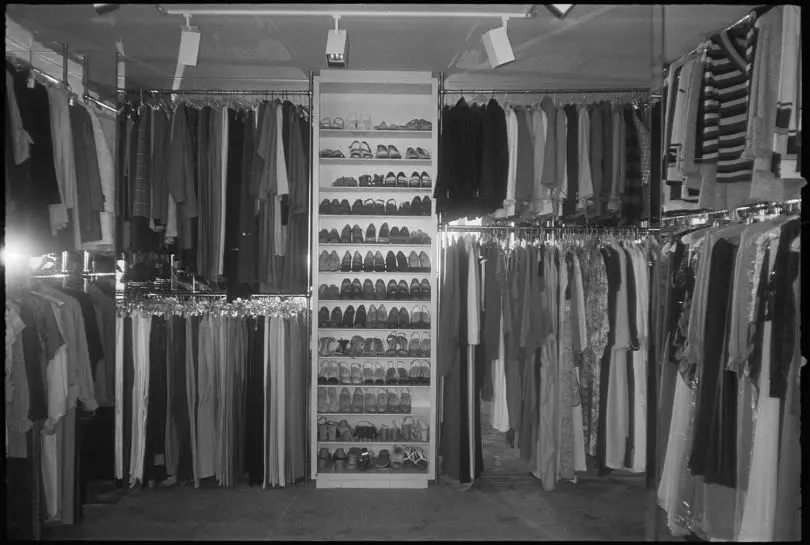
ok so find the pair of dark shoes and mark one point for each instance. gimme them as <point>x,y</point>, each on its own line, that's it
<point>377,291</point>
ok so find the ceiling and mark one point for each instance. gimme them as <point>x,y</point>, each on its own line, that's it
<point>594,46</point>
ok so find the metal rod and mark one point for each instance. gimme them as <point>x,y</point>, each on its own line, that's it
<point>220,91</point>
<point>322,13</point>
<point>65,65</point>
<point>727,211</point>
<point>560,91</point>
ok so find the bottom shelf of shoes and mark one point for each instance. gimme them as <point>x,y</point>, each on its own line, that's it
<point>405,477</point>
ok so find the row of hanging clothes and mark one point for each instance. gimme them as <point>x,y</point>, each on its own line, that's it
<point>553,325</point>
<point>59,368</point>
<point>733,116</point>
<point>729,404</point>
<point>222,178</point>
<point>211,391</point>
<point>567,158</point>
<point>60,188</point>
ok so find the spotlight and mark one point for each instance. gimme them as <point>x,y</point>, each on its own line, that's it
<point>496,42</point>
<point>560,10</point>
<point>189,44</point>
<point>337,46</point>
<point>103,9</point>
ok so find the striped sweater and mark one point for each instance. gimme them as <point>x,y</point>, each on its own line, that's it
<point>725,90</point>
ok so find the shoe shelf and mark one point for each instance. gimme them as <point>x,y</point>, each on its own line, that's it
<point>378,190</point>
<point>393,98</point>
<point>390,162</point>
<point>375,133</point>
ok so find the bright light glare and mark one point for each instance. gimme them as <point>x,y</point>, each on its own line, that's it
<point>13,256</point>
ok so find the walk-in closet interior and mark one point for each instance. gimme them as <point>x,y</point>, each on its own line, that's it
<point>499,271</point>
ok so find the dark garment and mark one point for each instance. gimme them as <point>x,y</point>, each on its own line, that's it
<point>295,277</point>
<point>630,281</point>
<point>632,199</point>
<point>161,129</point>
<point>254,399</point>
<point>121,181</point>
<point>247,256</point>
<point>524,173</point>
<point>782,304</point>
<point>572,160</point>
<point>180,400</point>
<point>549,177</point>
<point>597,153</point>
<point>156,412</point>
<point>655,162</point>
<point>491,316</point>
<point>180,174</point>
<point>613,272</point>
<point>95,348</point>
<point>33,350</point>
<point>714,439</point>
<point>142,238</point>
<point>607,154</point>
<point>494,156</point>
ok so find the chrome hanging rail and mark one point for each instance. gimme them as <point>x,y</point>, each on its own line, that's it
<point>295,92</point>
<point>735,212</point>
<point>560,91</point>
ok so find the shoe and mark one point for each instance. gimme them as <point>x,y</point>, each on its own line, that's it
<point>393,319</point>
<point>391,207</point>
<point>426,207</point>
<point>402,262</point>
<point>368,290</point>
<point>382,152</point>
<point>357,235</point>
<point>390,373</point>
<point>425,318</point>
<point>395,237</point>
<point>402,180</point>
<point>334,207</point>
<point>345,209</point>
<point>370,398</point>
<point>325,207</point>
<point>371,318</point>
<point>414,181</point>
<point>416,290</point>
<point>336,320</point>
<point>413,373</point>
<point>390,261</point>
<point>323,236</point>
<point>368,262</point>
<point>357,373</point>
<point>416,206</point>
<point>424,262</point>
<point>393,401</point>
<point>404,319</point>
<point>346,289</point>
<point>368,375</point>
<point>348,317</point>
<point>332,292</point>
<point>425,289</point>
<point>368,347</point>
<point>346,262</point>
<point>379,208</point>
<point>413,346</point>
<point>357,262</point>
<point>404,234</point>
<point>365,149</point>
<point>339,460</point>
<point>379,287</point>
<point>324,457</point>
<point>413,262</point>
<point>392,346</point>
<point>402,373</point>
<point>402,346</point>
<point>424,180</point>
<point>422,153</point>
<point>353,460</point>
<point>402,290</point>
<point>360,318</point>
<point>383,460</point>
<point>405,401</point>
<point>357,207</point>
<point>390,179</point>
<point>323,406</point>
<point>355,151</point>
<point>371,234</point>
<point>393,152</point>
<point>411,154</point>
<point>379,180</point>
<point>368,207</point>
<point>384,234</point>
<point>365,181</point>
<point>391,290</point>
<point>357,289</point>
<point>323,261</point>
<point>334,237</point>
<point>404,209</point>
<point>382,322</point>
<point>379,374</point>
<point>397,457</point>
<point>357,400</point>
<point>379,262</point>
<point>323,291</point>
<point>334,261</point>
<point>345,401</point>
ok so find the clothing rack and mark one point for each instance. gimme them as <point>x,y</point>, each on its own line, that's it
<point>560,91</point>
<point>21,65</point>
<point>733,212</point>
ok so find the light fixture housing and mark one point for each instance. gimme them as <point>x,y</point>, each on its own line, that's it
<point>337,46</point>
<point>499,49</point>
<point>102,9</point>
<point>560,10</point>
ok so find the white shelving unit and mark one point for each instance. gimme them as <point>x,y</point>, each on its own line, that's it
<point>393,98</point>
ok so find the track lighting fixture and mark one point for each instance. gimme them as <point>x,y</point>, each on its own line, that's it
<point>499,49</point>
<point>103,9</point>
<point>337,46</point>
<point>560,10</point>
<point>189,44</point>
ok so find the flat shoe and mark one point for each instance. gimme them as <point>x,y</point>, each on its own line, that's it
<point>382,152</point>
<point>393,152</point>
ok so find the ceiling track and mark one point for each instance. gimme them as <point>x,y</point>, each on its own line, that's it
<point>253,12</point>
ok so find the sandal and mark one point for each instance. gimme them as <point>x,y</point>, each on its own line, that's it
<point>402,346</point>
<point>402,374</point>
<point>365,149</point>
<point>392,345</point>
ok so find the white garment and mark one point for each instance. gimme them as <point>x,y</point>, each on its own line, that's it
<point>279,395</point>
<point>585,181</point>
<point>57,374</point>
<point>578,307</point>
<point>65,168</point>
<point>674,464</point>
<point>206,408</point>
<point>580,461</point>
<point>191,399</point>
<point>282,185</point>
<point>640,361</point>
<point>759,513</point>
<point>106,170</point>
<point>21,139</point>
<point>511,176</point>
<point>500,409</point>
<point>119,397</point>
<point>141,331</point>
